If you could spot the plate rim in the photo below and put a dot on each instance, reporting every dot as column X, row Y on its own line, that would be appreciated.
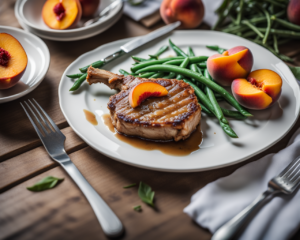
column 43, row 73
column 170, row 169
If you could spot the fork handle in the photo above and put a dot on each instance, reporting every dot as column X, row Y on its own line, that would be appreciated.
column 110, row 223
column 230, row 229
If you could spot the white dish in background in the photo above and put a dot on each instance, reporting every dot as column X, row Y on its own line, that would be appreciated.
column 38, row 63
column 217, row 150
column 28, row 13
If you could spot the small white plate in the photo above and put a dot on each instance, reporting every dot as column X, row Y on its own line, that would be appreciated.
column 28, row 13
column 38, row 63
column 217, row 150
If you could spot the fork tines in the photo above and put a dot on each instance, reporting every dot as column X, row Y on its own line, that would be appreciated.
column 42, row 127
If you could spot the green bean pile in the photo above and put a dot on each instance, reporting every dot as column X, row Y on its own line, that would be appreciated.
column 192, row 70
column 261, row 21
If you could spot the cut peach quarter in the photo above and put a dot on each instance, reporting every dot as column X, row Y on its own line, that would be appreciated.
column 13, row 61
column 145, row 90
column 260, row 90
column 61, row 14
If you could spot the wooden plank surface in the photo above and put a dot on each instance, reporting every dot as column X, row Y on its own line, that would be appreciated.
column 63, row 212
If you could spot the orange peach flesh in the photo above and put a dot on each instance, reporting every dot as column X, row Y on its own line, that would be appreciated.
column 145, row 90
column 18, row 58
column 71, row 13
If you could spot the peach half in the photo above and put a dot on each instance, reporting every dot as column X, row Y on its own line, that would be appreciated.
column 189, row 12
column 232, row 64
column 61, row 14
column 259, row 91
column 145, row 90
column 13, row 61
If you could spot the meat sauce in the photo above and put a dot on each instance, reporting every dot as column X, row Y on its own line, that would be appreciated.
column 90, row 117
column 180, row 148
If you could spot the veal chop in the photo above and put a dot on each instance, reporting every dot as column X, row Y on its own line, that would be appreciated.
column 172, row 117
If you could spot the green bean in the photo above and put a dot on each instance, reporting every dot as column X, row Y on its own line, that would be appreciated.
column 233, row 114
column 159, row 52
column 276, row 3
column 191, row 52
column 228, row 130
column 157, row 75
column 217, row 48
column 78, row 82
column 192, row 60
column 138, row 59
column 275, row 43
column 283, row 33
column 206, row 110
column 268, row 25
column 255, row 29
column 183, row 65
column 153, row 62
column 286, row 23
column 224, row 14
column 146, row 75
column 239, row 16
column 211, row 97
column 76, row 75
column 125, row 73
column 177, row 50
column 188, row 73
column 202, row 64
column 170, row 76
column 97, row 64
column 196, row 69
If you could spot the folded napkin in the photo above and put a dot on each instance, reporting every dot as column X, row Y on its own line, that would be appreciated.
column 219, row 201
column 151, row 6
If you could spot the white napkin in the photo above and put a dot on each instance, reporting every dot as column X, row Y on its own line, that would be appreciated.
column 219, row 201
column 150, row 6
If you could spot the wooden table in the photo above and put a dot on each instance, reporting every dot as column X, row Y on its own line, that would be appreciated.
column 63, row 212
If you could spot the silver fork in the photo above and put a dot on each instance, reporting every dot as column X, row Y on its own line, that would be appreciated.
column 53, row 140
column 286, row 182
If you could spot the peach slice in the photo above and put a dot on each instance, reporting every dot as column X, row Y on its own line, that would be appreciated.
column 13, row 61
column 145, row 90
column 260, row 90
column 234, row 63
column 61, row 14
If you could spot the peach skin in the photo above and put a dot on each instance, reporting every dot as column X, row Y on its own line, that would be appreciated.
column 145, row 90
column 233, row 63
column 189, row 12
column 260, row 90
column 61, row 14
column 13, row 61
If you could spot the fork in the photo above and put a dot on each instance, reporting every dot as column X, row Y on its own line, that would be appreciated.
column 53, row 140
column 286, row 182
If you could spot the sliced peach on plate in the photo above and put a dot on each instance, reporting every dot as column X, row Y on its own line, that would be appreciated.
column 61, row 14
column 260, row 90
column 145, row 90
column 13, row 61
column 232, row 64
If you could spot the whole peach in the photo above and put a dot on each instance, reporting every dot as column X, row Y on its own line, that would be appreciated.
column 232, row 64
column 89, row 7
column 293, row 11
column 189, row 12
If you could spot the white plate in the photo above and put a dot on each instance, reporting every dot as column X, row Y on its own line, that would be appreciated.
column 38, row 63
column 217, row 150
column 28, row 13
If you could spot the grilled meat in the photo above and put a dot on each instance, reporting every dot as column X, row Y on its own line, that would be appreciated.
column 172, row 117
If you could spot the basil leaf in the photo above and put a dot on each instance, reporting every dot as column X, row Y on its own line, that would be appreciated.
column 137, row 208
column 146, row 194
column 130, row 185
column 46, row 183
column 295, row 71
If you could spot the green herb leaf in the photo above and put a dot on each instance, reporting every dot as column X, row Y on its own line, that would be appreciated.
column 46, row 183
column 295, row 71
column 137, row 208
column 146, row 194
column 130, row 185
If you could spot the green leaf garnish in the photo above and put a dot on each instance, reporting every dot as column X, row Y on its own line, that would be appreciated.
column 137, row 208
column 130, row 185
column 146, row 194
column 46, row 183
column 295, row 71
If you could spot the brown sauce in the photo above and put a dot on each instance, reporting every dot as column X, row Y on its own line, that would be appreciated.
column 90, row 117
column 181, row 148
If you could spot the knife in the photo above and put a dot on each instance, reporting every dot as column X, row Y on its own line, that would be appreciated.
column 134, row 44
column 126, row 48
